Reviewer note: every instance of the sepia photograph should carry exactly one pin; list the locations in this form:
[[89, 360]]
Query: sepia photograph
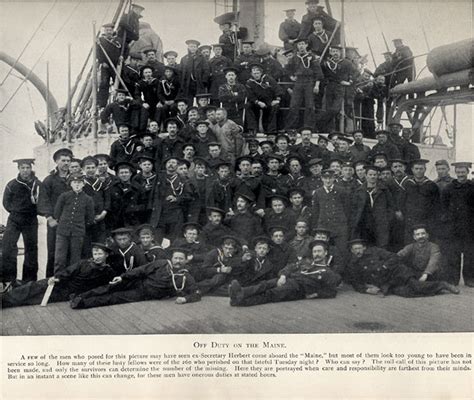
[[236, 167]]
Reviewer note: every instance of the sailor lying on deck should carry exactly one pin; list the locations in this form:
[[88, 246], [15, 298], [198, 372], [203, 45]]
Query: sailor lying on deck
[[157, 280], [306, 279], [77, 278]]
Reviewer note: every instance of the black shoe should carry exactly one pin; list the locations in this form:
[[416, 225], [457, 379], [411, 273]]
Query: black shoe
[[76, 302], [468, 283], [234, 291], [451, 288]]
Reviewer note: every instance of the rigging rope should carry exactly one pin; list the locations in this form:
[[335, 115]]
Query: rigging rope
[[28, 43], [41, 55]]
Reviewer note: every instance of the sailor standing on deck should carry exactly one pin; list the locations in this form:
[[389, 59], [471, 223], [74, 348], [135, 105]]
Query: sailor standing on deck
[[52, 187], [289, 29], [19, 199]]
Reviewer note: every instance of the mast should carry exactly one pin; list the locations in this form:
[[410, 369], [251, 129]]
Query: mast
[[343, 44], [68, 115], [94, 81], [48, 111]]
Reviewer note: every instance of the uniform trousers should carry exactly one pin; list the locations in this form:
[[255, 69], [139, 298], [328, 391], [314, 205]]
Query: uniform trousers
[[302, 95], [27, 226], [32, 293], [68, 251], [415, 288]]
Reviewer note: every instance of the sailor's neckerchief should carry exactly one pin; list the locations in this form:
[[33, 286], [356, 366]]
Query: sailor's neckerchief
[[34, 189], [316, 268], [123, 253], [178, 190], [181, 272], [96, 185]]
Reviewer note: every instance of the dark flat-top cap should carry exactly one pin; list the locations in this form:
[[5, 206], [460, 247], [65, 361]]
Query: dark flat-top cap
[[300, 40], [322, 137], [62, 152], [322, 230], [75, 177], [243, 158], [261, 239], [294, 157], [269, 142], [148, 50], [277, 228], [171, 158], [371, 168], [289, 9], [189, 144], [200, 160], [193, 225], [219, 210], [279, 197], [356, 241], [231, 237], [230, 69], [121, 231], [182, 161], [346, 139], [395, 124], [335, 158], [380, 154], [250, 198], [287, 51], [192, 41], [347, 164], [171, 250], [221, 45], [124, 164], [145, 227], [419, 161], [274, 157], [256, 65], [397, 40], [136, 56], [254, 141], [172, 120], [315, 161], [146, 158], [442, 162], [102, 156], [21, 161], [213, 144], [101, 246], [89, 159], [226, 18], [138, 6], [108, 25], [293, 191], [223, 163], [398, 160], [319, 243], [250, 42], [305, 128], [203, 96], [124, 91], [419, 226], [462, 164], [327, 172], [170, 53], [385, 53], [311, 2], [205, 46], [336, 46], [332, 134]]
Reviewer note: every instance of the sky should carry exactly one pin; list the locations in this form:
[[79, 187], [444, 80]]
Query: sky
[[444, 22]]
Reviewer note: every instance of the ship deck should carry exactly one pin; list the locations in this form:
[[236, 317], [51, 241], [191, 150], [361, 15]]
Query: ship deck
[[349, 312]]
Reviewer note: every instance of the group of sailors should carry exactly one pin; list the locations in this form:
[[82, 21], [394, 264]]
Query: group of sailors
[[261, 221], [315, 86]]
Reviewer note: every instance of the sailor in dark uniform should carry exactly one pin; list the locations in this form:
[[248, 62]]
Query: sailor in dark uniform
[[168, 89], [230, 38], [244, 59], [289, 29], [109, 47], [339, 75], [403, 62], [264, 95], [217, 65], [131, 72], [305, 279], [195, 72], [129, 25], [124, 110], [126, 254], [315, 11], [145, 178], [152, 250], [52, 187], [386, 70], [319, 39], [443, 179], [20, 197], [384, 146], [171, 60], [151, 61], [243, 222], [125, 147], [75, 279], [157, 280], [233, 95]]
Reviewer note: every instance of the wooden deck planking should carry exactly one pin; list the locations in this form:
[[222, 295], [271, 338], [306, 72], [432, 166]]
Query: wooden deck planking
[[214, 315]]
